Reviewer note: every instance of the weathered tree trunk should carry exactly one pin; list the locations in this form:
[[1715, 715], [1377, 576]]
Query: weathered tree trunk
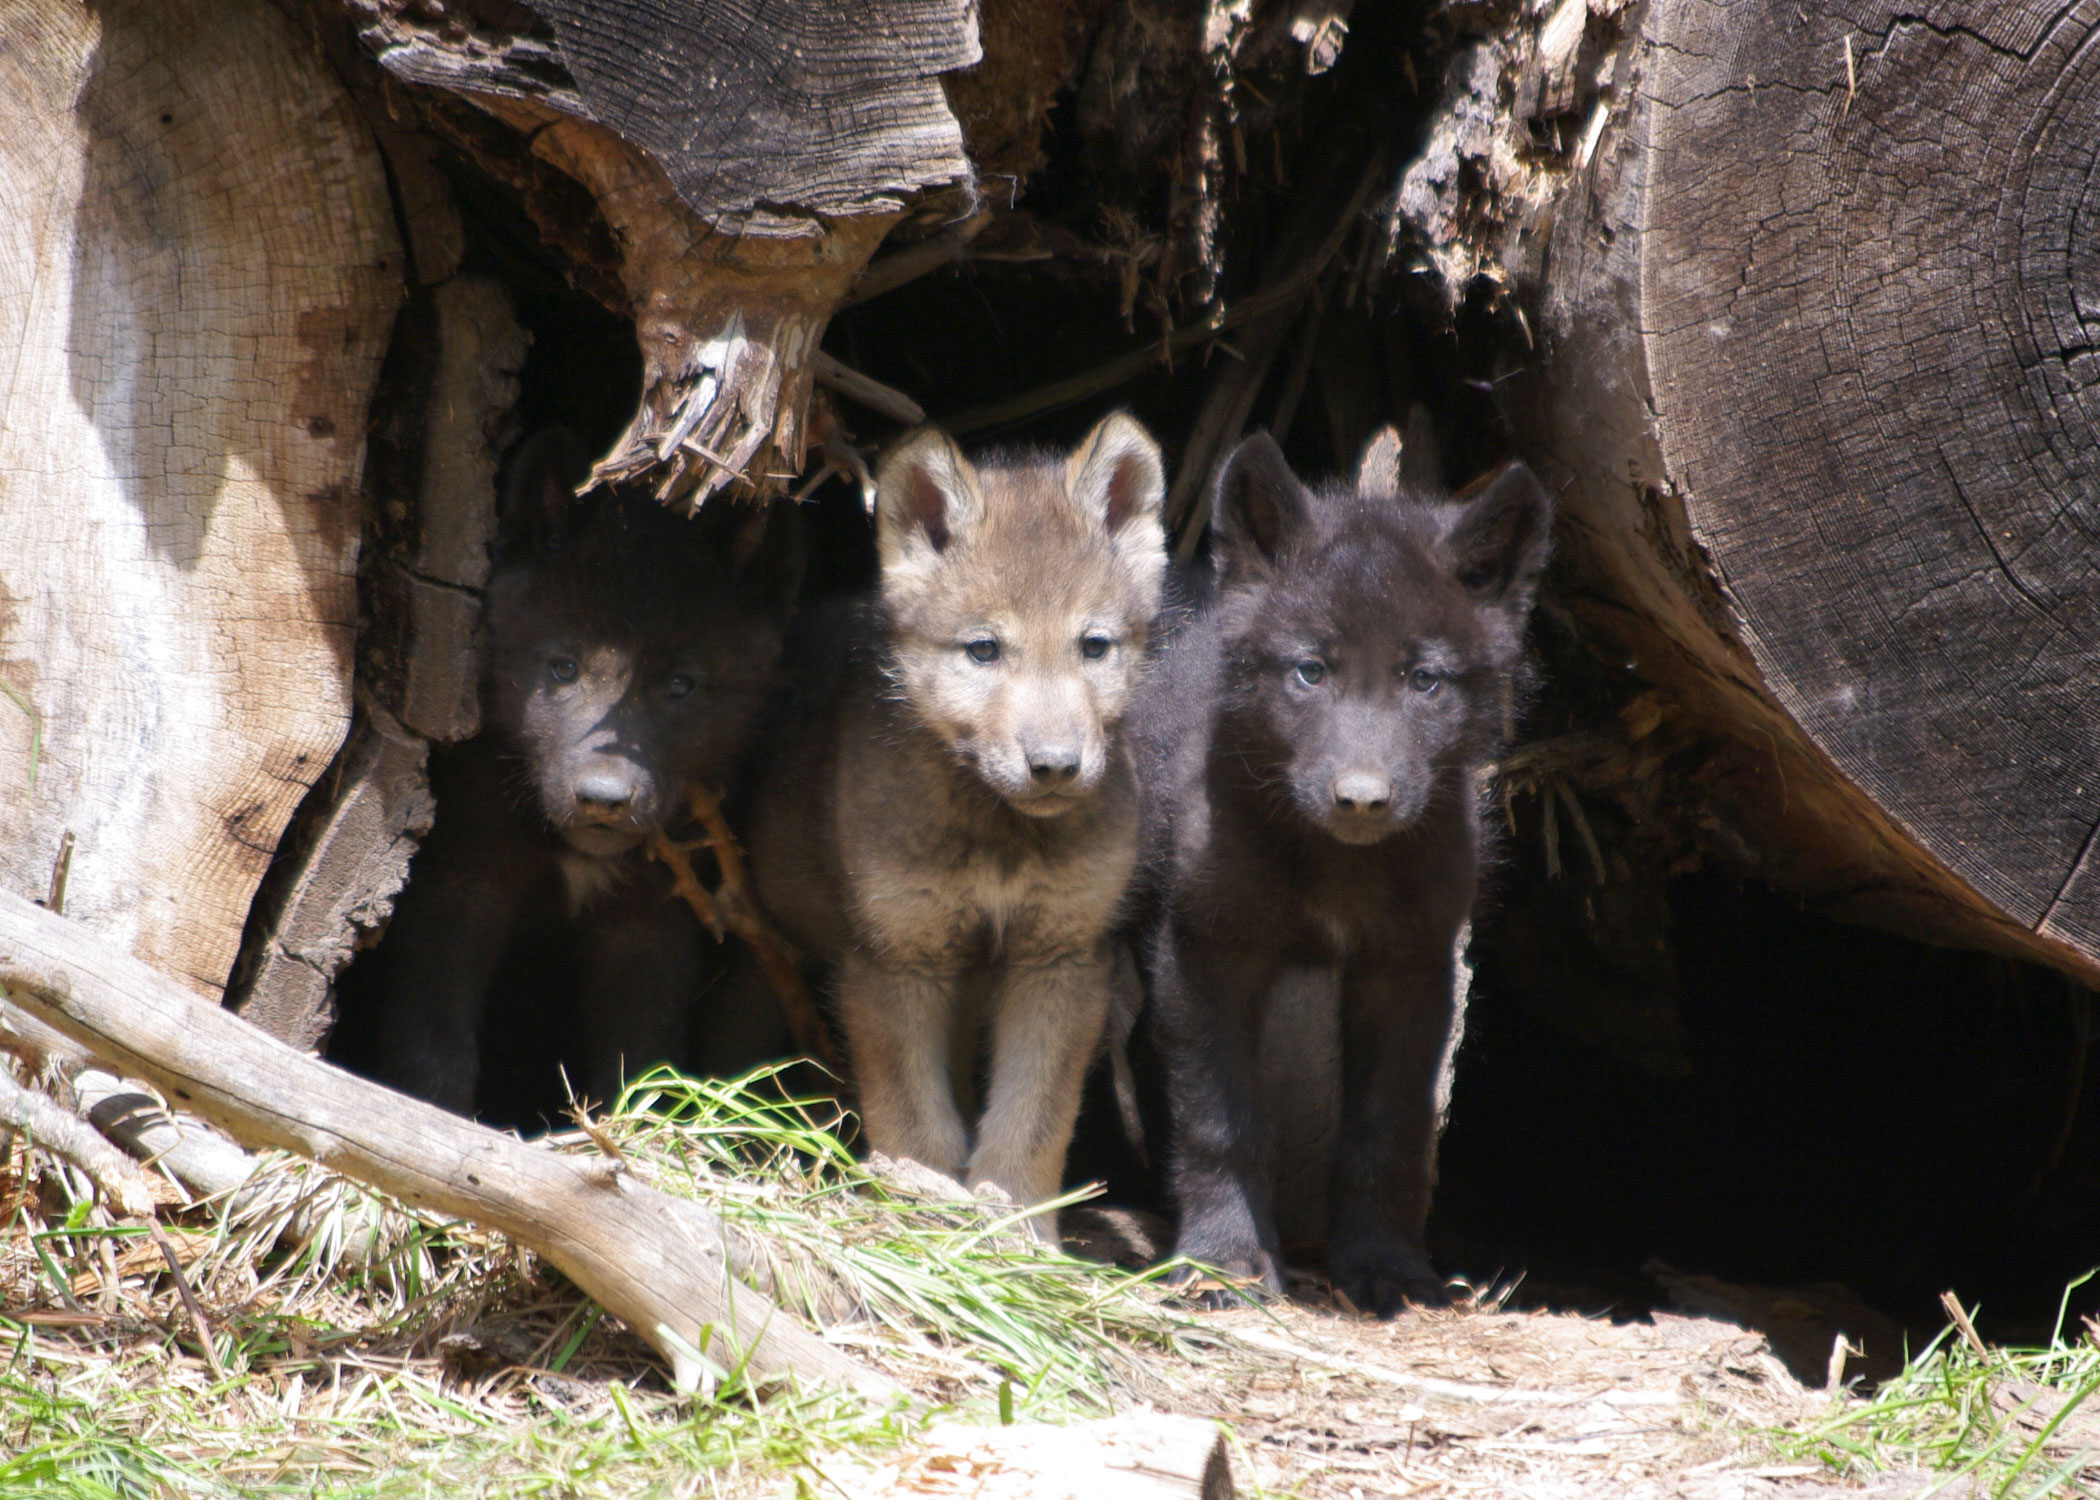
[[198, 272], [1821, 311], [198, 279], [748, 158]]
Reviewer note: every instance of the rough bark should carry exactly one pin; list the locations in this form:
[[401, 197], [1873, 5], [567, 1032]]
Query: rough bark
[[198, 270], [660, 1263], [747, 159], [1820, 314]]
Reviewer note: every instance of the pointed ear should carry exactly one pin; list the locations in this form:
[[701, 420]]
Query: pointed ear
[[1257, 506], [1116, 477], [926, 498], [1497, 545], [1378, 471], [539, 491]]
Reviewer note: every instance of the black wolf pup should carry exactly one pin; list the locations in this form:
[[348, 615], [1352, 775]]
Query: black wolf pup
[[1309, 747], [628, 655]]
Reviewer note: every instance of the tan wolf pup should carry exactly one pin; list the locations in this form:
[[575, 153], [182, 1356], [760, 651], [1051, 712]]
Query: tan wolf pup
[[950, 815]]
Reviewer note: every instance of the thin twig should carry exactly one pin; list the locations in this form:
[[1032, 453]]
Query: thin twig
[[867, 390], [913, 261], [189, 1302], [730, 908]]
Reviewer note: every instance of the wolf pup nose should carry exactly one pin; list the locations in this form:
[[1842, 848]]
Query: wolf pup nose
[[1308, 752], [954, 822]]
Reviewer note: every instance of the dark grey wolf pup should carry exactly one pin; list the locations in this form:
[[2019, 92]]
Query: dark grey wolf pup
[[629, 652], [951, 813], [1308, 750]]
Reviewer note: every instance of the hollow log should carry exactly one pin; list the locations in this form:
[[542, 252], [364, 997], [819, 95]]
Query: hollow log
[[198, 272], [1820, 314]]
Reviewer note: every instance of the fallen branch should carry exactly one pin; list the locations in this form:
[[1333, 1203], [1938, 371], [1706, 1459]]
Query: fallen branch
[[71, 1138], [659, 1263]]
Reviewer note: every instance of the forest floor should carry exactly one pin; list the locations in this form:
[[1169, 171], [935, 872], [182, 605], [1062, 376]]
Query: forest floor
[[319, 1341]]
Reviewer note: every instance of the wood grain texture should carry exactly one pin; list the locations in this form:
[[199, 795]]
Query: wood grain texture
[[198, 270], [660, 1263], [746, 155], [1827, 347], [751, 106]]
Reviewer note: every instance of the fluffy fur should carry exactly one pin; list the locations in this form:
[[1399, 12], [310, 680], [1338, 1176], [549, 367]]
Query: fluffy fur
[[629, 652], [1308, 750], [949, 815]]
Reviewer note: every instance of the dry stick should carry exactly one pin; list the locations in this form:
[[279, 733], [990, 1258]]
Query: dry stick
[[661, 1264], [914, 261], [67, 1136], [1299, 371], [190, 1303], [731, 909], [867, 390]]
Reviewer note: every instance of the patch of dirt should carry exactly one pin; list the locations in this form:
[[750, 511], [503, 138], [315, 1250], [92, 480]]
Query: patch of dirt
[[1513, 1405]]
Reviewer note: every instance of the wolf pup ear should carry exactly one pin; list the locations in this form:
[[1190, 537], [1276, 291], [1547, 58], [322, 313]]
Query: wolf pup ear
[[539, 491], [1498, 544], [1256, 506], [766, 552], [926, 497], [1115, 476]]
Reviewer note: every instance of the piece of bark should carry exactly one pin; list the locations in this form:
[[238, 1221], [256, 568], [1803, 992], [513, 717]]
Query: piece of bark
[[1139, 1455], [344, 884], [659, 1263], [198, 272]]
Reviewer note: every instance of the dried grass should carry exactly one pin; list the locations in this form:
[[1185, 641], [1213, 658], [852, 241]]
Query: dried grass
[[357, 1349]]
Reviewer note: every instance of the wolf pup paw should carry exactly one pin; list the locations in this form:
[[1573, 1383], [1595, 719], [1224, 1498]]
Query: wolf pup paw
[[1382, 1279], [1249, 1279]]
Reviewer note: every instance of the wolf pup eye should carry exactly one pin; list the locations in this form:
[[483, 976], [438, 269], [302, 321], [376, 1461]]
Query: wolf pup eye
[[679, 685], [1422, 680], [562, 669], [982, 650], [1094, 645], [1312, 671]]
